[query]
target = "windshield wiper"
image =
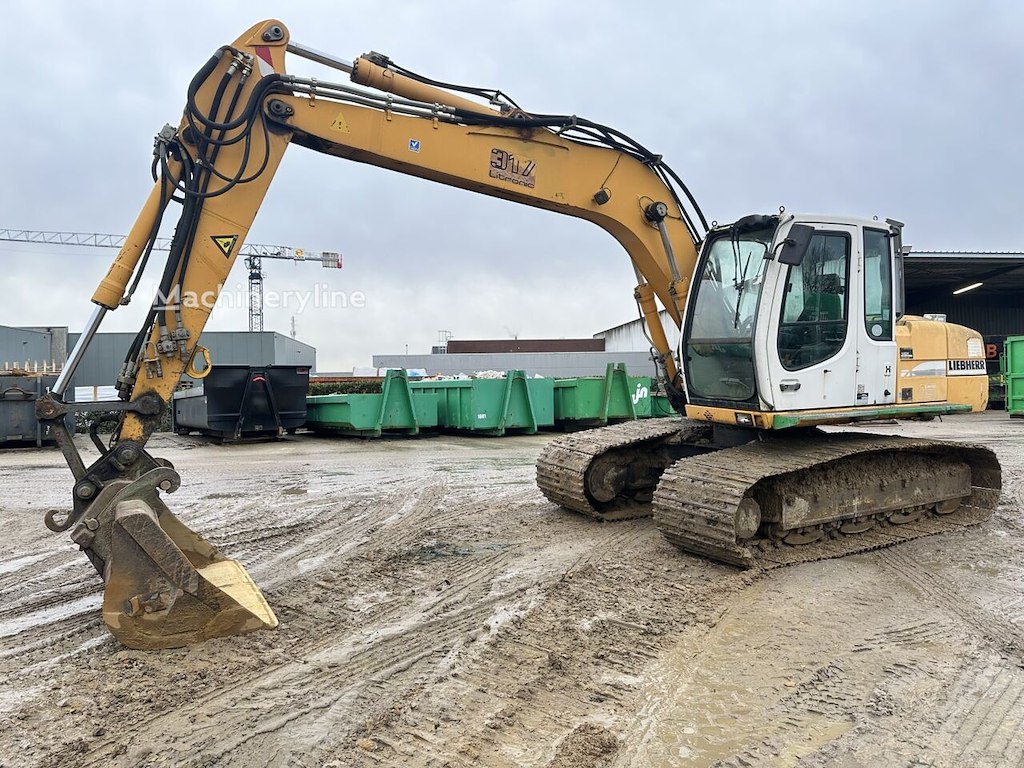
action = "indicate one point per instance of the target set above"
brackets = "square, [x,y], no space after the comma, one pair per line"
[740,286]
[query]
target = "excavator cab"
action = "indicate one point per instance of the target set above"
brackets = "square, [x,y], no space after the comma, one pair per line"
[794,324]
[796,321]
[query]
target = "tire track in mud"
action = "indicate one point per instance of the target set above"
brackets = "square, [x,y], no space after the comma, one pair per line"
[320,530]
[352,668]
[983,718]
[480,627]
[799,695]
[547,676]
[619,537]
[49,593]
[1008,513]
[278,547]
[945,595]
[401,639]
[359,670]
[49,608]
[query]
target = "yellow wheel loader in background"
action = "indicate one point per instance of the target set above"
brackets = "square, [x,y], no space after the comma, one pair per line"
[787,322]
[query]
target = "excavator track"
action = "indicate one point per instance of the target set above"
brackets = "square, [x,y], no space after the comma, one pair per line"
[792,499]
[610,473]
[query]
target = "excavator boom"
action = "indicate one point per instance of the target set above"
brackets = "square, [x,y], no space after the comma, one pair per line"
[165,585]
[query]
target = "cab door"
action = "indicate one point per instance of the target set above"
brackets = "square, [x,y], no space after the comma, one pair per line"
[876,370]
[811,346]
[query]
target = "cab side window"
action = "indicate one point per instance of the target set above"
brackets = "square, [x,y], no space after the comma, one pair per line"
[877,285]
[815,303]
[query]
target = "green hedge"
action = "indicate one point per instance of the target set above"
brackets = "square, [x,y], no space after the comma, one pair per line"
[352,387]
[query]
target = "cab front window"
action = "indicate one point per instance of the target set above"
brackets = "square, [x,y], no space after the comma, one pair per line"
[719,352]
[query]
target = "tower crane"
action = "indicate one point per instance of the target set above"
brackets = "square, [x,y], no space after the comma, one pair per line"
[254,254]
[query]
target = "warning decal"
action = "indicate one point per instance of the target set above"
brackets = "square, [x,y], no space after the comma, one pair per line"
[265,61]
[225,243]
[339,124]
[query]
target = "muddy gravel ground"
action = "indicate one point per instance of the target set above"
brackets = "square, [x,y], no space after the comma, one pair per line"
[436,610]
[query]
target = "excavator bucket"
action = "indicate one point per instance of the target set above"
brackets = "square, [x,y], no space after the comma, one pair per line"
[166,586]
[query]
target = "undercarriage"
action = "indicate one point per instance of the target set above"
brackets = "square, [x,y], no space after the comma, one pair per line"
[776,499]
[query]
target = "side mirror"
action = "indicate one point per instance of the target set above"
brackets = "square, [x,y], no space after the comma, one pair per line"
[794,248]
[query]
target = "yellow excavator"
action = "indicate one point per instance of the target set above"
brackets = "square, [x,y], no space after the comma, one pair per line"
[787,322]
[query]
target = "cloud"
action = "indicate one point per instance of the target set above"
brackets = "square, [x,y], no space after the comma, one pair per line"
[906,110]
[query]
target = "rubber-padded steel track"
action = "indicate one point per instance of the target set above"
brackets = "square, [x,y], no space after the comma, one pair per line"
[563,464]
[696,501]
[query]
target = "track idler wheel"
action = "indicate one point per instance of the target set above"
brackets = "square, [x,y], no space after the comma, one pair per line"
[748,519]
[606,479]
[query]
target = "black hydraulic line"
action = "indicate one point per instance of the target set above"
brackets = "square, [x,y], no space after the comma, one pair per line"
[232,181]
[572,127]
[188,211]
[210,162]
[149,245]
[199,80]
[139,339]
[689,196]
[181,240]
[264,86]
[216,142]
[491,94]
[188,182]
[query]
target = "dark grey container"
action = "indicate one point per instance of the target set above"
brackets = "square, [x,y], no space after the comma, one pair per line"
[236,401]
[18,395]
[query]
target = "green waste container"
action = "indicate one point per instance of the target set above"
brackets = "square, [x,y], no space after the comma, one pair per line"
[593,401]
[491,406]
[393,410]
[1013,349]
[647,400]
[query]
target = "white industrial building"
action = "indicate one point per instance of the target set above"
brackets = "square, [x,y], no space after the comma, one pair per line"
[626,343]
[632,336]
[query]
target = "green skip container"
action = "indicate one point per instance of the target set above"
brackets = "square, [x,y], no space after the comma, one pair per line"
[491,406]
[649,403]
[393,410]
[593,401]
[1013,350]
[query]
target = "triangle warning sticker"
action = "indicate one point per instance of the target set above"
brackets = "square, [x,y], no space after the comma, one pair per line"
[225,243]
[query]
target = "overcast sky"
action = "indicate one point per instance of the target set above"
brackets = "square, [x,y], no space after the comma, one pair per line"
[909,110]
